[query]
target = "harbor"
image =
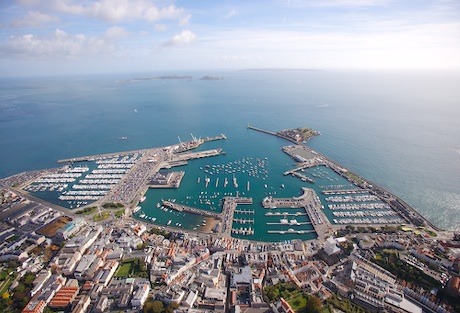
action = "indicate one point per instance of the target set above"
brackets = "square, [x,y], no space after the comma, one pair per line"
[217,189]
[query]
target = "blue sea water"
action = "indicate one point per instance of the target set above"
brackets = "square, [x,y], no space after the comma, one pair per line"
[398,129]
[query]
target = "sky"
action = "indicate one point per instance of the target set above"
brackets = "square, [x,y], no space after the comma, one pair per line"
[83,36]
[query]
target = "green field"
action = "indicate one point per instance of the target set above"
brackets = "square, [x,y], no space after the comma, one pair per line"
[100,217]
[125,269]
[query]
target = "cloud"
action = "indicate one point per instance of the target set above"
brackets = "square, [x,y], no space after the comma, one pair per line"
[183,38]
[231,14]
[113,11]
[33,19]
[160,27]
[333,3]
[61,46]
[116,32]
[233,58]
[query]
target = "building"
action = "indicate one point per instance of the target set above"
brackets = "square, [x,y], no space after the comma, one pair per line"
[34,306]
[330,246]
[190,299]
[284,307]
[140,295]
[65,296]
[82,305]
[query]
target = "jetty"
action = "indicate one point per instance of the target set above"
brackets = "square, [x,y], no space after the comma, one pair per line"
[244,211]
[228,209]
[184,208]
[220,137]
[290,231]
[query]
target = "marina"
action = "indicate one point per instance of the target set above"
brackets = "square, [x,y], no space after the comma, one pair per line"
[219,189]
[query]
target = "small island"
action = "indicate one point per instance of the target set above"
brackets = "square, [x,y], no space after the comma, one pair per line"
[207,77]
[300,134]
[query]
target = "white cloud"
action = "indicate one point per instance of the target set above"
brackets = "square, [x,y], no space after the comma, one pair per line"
[231,14]
[61,45]
[113,11]
[160,27]
[116,32]
[33,19]
[233,58]
[333,3]
[183,38]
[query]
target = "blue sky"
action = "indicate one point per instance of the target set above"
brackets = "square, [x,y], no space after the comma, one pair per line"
[82,36]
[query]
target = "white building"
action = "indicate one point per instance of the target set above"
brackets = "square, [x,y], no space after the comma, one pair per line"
[140,295]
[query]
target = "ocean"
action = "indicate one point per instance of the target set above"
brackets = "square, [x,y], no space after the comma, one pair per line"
[398,129]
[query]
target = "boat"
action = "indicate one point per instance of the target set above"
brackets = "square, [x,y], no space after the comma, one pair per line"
[142,199]
[122,138]
[282,186]
[169,222]
[136,209]
[284,221]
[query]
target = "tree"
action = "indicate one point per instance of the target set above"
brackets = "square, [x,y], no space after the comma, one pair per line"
[314,305]
[153,306]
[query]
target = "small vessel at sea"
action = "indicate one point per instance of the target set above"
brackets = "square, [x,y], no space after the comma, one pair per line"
[169,222]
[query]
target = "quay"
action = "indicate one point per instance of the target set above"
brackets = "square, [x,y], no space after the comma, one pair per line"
[344,191]
[184,208]
[195,155]
[303,177]
[171,180]
[102,156]
[228,209]
[294,202]
[220,137]
[310,202]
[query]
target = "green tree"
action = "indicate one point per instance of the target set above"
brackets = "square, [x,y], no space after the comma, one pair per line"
[151,306]
[314,305]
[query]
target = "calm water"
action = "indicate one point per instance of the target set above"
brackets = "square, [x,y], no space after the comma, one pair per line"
[400,130]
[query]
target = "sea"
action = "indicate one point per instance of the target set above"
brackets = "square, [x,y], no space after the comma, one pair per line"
[399,129]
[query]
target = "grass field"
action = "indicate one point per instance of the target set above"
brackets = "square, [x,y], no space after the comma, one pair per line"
[100,217]
[297,300]
[124,270]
